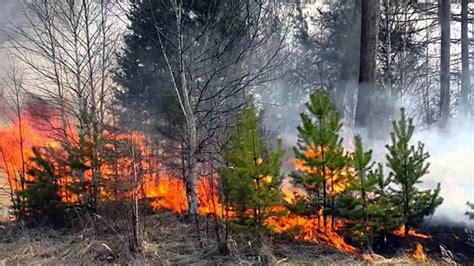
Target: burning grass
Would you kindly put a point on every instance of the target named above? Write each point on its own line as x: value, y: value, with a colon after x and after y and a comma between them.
x: 310, y: 230
x: 419, y: 254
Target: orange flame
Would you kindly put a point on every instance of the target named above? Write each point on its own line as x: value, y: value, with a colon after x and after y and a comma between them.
x: 312, y: 229
x: 419, y: 254
x: 170, y: 194
x: 336, y: 183
x: 116, y: 170
x: 165, y: 191
x: 411, y: 232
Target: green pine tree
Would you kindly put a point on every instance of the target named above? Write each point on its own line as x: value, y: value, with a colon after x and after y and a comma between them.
x: 361, y: 161
x: 386, y: 219
x: 251, y: 177
x: 337, y: 176
x: 42, y: 201
x: 320, y: 149
x: 365, y: 204
x: 408, y: 165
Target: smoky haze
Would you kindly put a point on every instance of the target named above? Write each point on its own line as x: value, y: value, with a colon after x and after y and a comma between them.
x: 451, y: 150
x: 451, y: 157
x: 452, y: 153
x: 11, y: 12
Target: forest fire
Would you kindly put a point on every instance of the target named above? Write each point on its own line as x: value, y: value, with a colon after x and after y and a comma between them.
x: 314, y: 228
x: 411, y: 232
x: 18, y: 141
x: 159, y: 132
x: 311, y: 229
x: 131, y: 167
x: 165, y: 191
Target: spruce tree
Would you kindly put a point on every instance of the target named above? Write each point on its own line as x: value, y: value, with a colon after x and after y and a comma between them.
x: 148, y: 88
x: 251, y: 177
x: 320, y: 149
x: 408, y: 165
x: 142, y: 70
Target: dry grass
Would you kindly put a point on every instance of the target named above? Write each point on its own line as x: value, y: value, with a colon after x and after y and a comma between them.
x: 166, y: 241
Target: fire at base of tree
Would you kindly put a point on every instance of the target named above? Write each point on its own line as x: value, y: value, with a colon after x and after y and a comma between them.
x: 137, y: 132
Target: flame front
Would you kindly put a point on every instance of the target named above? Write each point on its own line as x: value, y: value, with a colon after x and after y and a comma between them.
x: 312, y: 228
x: 164, y: 190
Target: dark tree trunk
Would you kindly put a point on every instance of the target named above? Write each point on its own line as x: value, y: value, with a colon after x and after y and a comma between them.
x: 466, y: 79
x: 445, y: 18
x: 348, y: 76
x: 368, y: 53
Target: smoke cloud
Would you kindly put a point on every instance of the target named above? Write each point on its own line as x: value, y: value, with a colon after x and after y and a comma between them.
x: 452, y: 153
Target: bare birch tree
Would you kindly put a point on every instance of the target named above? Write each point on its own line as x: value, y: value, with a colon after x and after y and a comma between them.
x: 69, y: 47
x: 212, y: 67
x: 15, y: 174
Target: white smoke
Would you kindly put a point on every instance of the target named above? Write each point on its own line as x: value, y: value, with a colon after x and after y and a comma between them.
x: 451, y: 161
x: 452, y: 165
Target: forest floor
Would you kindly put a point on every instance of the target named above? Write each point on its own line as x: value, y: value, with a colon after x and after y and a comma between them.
x: 167, y: 240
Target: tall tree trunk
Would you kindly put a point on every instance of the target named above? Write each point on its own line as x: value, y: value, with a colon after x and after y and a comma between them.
x: 466, y: 79
x: 445, y: 19
x: 348, y: 76
x: 368, y: 53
